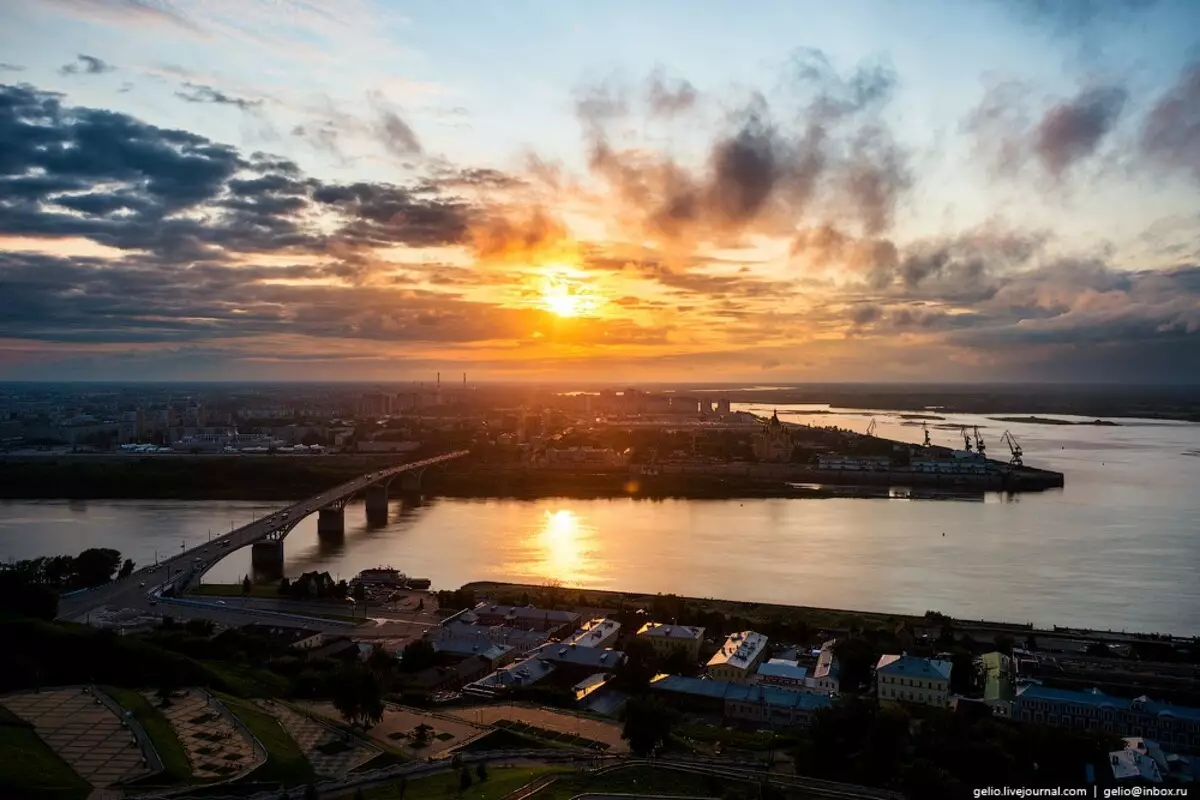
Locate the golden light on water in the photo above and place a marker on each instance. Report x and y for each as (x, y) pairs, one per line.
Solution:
(565, 547)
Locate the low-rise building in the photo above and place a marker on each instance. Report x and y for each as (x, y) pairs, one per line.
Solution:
(600, 633)
(827, 676)
(783, 673)
(1174, 727)
(581, 659)
(738, 657)
(909, 679)
(521, 674)
(450, 678)
(528, 618)
(761, 705)
(666, 639)
(522, 641)
(998, 686)
(298, 638)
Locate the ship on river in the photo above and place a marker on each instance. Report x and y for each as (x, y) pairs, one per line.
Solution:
(387, 576)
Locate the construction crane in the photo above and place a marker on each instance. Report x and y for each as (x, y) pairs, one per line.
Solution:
(925, 427)
(1014, 448)
(871, 428)
(979, 447)
(966, 438)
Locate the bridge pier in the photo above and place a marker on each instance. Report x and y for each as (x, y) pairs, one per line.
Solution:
(266, 558)
(331, 521)
(410, 482)
(377, 503)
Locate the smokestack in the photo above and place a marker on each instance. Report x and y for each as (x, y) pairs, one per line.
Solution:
(439, 380)
(464, 381)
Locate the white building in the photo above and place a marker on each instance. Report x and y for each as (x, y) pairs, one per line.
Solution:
(783, 673)
(738, 657)
(905, 678)
(826, 677)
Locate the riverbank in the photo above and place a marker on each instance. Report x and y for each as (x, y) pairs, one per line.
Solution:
(834, 621)
(284, 478)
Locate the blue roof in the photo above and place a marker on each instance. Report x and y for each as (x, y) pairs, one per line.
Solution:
(740, 692)
(913, 667)
(1098, 699)
(778, 668)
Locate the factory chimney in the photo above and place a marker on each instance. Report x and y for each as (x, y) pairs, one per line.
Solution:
(464, 381)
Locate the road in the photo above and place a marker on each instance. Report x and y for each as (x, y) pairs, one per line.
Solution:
(141, 590)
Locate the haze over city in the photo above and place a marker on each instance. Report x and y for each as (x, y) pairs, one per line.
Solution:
(372, 191)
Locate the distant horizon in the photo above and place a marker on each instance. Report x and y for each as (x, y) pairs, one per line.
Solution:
(733, 385)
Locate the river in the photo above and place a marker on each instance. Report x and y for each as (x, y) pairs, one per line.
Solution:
(1117, 548)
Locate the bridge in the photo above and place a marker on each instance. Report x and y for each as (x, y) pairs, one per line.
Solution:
(265, 536)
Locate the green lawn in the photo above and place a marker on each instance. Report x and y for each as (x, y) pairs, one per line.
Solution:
(176, 768)
(30, 769)
(285, 761)
(500, 782)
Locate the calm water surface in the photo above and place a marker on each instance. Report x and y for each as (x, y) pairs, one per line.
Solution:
(1118, 547)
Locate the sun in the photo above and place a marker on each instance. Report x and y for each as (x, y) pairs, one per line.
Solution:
(560, 299)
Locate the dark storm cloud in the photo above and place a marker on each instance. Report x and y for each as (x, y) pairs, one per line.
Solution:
(1072, 130)
(1008, 136)
(126, 184)
(1170, 135)
(86, 65)
(6, 67)
(199, 93)
(766, 166)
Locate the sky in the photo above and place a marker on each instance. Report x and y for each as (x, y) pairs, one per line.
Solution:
(935, 190)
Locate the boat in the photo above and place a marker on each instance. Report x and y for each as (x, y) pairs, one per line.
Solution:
(391, 577)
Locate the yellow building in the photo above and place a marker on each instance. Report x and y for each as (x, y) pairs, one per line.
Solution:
(738, 657)
(665, 639)
(909, 679)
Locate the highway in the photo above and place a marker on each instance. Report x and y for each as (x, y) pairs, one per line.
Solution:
(141, 590)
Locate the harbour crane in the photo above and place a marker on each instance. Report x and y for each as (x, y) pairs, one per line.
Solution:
(966, 438)
(925, 427)
(1014, 448)
(979, 446)
(871, 428)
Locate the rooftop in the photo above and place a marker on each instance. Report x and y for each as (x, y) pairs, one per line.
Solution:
(682, 632)
(526, 613)
(522, 673)
(1132, 764)
(594, 632)
(782, 668)
(279, 633)
(563, 653)
(913, 667)
(740, 650)
(827, 664)
(1098, 699)
(740, 692)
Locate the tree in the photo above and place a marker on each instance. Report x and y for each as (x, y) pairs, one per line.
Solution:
(96, 565)
(402, 787)
(285, 587)
(419, 654)
(647, 723)
(360, 593)
(1004, 643)
(246, 585)
(856, 658)
(421, 604)
(358, 696)
(310, 792)
(481, 771)
(126, 568)
(641, 664)
(464, 780)
(421, 735)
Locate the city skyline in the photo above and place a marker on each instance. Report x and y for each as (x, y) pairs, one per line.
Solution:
(280, 191)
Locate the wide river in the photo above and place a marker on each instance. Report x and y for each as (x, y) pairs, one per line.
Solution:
(1117, 548)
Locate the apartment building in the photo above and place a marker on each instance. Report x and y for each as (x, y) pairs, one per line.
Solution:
(738, 657)
(905, 678)
(1173, 727)
(666, 639)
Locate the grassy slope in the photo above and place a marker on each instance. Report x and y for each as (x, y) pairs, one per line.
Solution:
(30, 769)
(176, 768)
(285, 761)
(501, 781)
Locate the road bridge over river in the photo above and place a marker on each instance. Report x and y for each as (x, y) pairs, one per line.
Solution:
(265, 536)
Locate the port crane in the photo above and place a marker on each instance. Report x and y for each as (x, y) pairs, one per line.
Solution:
(966, 438)
(979, 446)
(871, 428)
(1014, 448)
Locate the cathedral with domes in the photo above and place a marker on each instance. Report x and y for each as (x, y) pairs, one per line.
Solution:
(773, 442)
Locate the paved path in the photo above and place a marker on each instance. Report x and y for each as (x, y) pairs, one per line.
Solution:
(84, 733)
(330, 753)
(215, 748)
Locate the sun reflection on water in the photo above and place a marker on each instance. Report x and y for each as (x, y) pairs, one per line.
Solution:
(564, 544)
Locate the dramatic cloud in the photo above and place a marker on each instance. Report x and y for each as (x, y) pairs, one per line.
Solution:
(669, 96)
(1171, 133)
(199, 93)
(1066, 133)
(765, 168)
(86, 65)
(1072, 130)
(6, 67)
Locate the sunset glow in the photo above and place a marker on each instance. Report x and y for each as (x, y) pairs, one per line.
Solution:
(356, 196)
